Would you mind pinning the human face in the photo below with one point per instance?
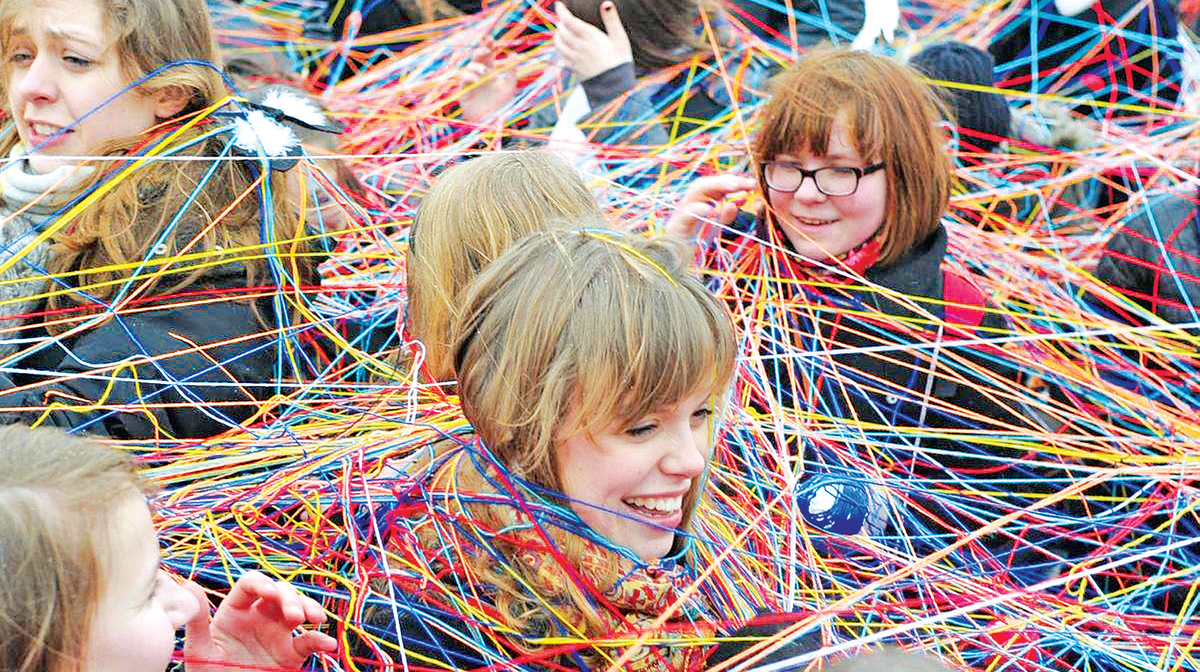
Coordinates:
(628, 482)
(62, 64)
(821, 227)
(140, 607)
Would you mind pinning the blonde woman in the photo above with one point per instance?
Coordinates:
(475, 211)
(107, 79)
(594, 370)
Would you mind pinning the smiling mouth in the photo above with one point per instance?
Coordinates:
(44, 129)
(45, 135)
(806, 221)
(656, 507)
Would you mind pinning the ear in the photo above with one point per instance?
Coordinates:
(169, 101)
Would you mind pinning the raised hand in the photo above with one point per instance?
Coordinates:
(487, 86)
(706, 206)
(253, 628)
(587, 49)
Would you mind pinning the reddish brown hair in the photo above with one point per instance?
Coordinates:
(891, 116)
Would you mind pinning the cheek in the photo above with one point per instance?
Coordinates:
(777, 200)
(868, 206)
(143, 643)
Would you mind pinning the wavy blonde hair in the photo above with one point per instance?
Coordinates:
(58, 494)
(100, 245)
(475, 211)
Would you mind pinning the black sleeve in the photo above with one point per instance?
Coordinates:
(606, 86)
(1119, 267)
(761, 628)
(181, 373)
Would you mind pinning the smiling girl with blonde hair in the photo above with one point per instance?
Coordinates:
(594, 369)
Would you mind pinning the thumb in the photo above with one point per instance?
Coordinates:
(612, 24)
(199, 634)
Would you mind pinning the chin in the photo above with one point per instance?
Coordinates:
(42, 164)
(650, 550)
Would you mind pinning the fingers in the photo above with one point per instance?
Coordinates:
(570, 33)
(199, 627)
(484, 55)
(471, 74)
(613, 26)
(573, 26)
(250, 587)
(725, 213)
(310, 641)
(718, 187)
(705, 206)
(273, 600)
(483, 61)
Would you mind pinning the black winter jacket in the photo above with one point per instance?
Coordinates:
(882, 358)
(876, 373)
(1154, 259)
(169, 372)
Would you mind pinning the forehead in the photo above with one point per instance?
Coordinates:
(62, 20)
(840, 143)
(130, 551)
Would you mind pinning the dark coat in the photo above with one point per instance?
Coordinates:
(169, 372)
(1121, 72)
(1154, 259)
(868, 357)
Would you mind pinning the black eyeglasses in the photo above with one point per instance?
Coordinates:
(832, 180)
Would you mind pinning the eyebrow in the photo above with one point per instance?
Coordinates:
(62, 36)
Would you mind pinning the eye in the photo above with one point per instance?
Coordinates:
(78, 61)
(641, 430)
(842, 170)
(20, 56)
(701, 415)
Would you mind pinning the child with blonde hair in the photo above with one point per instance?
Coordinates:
(84, 591)
(594, 369)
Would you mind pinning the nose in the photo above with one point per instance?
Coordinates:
(688, 455)
(180, 605)
(35, 83)
(808, 190)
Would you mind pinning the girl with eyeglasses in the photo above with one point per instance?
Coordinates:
(865, 328)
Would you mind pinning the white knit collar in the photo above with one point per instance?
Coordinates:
(19, 185)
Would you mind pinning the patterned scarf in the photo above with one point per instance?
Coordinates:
(579, 590)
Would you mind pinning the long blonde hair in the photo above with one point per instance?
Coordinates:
(215, 221)
(97, 250)
(58, 494)
(474, 212)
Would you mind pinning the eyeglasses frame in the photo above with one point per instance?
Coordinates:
(859, 173)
